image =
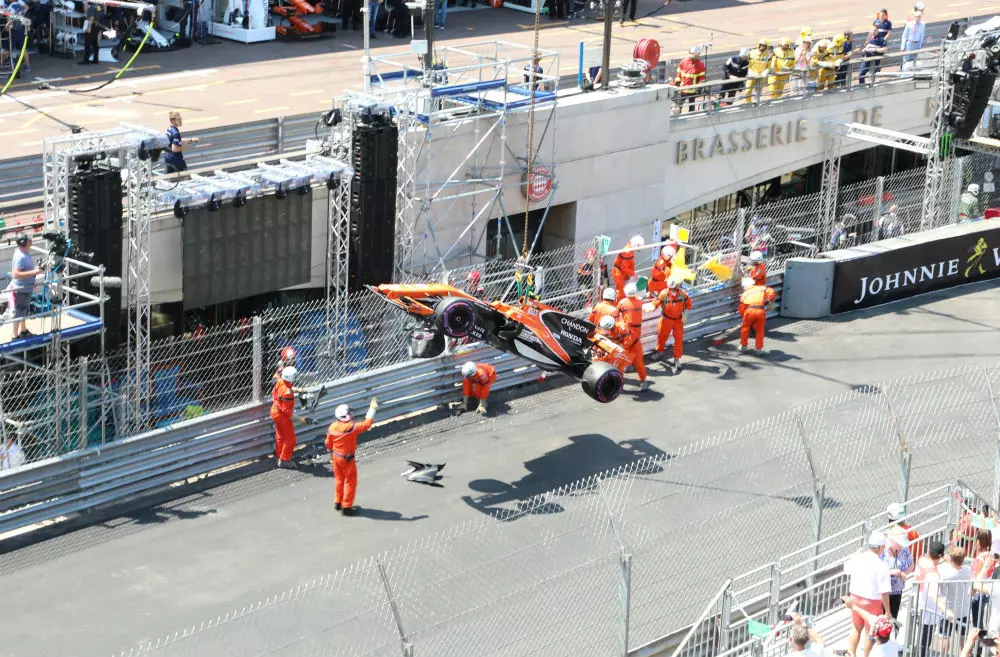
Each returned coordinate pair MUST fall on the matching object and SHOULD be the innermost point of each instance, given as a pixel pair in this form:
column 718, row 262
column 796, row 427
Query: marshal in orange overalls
column 342, row 441
column 282, row 407
column 673, row 302
column 478, row 385
column 623, row 269
column 631, row 315
column 753, row 308
column 600, row 310
column 658, row 277
column 759, row 274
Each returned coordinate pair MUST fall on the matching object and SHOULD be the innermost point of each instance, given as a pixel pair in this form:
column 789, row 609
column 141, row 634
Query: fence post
column 995, row 502
column 83, row 401
column 877, row 207
column 281, row 134
column 818, row 501
column 258, row 360
column 953, row 512
column 905, row 457
column 406, row 648
column 772, row 607
column 725, row 620
column 625, row 561
column 866, row 531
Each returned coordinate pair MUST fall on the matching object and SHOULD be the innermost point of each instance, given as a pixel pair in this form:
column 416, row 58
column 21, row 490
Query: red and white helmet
column 473, row 277
column 669, row 250
column 590, row 253
column 637, row 242
column 288, row 354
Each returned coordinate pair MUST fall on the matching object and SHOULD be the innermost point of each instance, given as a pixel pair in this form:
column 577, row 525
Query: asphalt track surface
column 231, row 83
column 140, row 573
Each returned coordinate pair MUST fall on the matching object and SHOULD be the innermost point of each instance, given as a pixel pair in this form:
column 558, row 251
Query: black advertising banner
column 883, row 277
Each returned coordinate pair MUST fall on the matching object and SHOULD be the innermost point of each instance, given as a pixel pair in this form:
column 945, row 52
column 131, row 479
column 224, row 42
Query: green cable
column 149, row 31
column 13, row 75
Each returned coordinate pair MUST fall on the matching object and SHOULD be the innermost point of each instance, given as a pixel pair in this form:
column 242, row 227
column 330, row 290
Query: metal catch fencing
column 618, row 561
column 234, row 363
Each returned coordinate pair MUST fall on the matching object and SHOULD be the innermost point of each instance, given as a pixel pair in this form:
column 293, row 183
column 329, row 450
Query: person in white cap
column 342, row 443
column 282, row 411
column 869, row 587
column 476, row 381
column 606, row 306
column 969, row 207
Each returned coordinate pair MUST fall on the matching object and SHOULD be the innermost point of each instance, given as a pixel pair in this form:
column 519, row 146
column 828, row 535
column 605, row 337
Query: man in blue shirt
column 22, row 284
column 877, row 46
column 174, row 157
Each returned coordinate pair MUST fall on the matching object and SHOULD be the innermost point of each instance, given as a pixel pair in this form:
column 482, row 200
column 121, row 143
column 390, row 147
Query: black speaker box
column 107, row 247
column 971, row 98
column 95, row 200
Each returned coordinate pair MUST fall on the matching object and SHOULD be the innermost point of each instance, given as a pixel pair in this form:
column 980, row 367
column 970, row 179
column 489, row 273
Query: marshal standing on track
column 342, row 442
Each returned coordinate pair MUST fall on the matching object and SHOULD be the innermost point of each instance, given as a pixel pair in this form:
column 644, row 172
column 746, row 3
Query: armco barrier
column 97, row 476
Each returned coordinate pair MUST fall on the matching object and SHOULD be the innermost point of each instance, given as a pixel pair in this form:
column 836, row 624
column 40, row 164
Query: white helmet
column 744, row 52
column 609, row 294
column 756, row 256
column 631, row 290
column 895, row 511
column 695, row 51
column 919, row 6
column 343, row 413
column 607, row 322
column 468, row 369
column 669, row 251
column 637, row 242
column 674, row 283
column 289, row 373
column 974, row 189
column 747, row 282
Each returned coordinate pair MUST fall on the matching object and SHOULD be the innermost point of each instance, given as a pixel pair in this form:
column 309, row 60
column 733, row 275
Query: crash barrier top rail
column 21, row 178
column 607, row 562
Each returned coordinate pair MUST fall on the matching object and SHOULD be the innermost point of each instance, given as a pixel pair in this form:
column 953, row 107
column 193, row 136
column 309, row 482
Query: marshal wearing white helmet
column 758, row 269
column 969, row 205
column 282, row 414
column 342, row 443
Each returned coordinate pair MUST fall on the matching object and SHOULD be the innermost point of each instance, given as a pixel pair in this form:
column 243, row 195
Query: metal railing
column 614, row 563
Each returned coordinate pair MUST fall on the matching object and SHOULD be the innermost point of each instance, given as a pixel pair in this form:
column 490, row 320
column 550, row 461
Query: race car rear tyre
column 455, row 317
column 602, row 382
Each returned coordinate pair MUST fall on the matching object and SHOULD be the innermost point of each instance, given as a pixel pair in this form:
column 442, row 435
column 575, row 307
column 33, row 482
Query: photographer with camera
column 22, row 285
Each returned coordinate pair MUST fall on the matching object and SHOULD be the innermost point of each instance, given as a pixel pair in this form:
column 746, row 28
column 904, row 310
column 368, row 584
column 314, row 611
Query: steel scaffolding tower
column 473, row 92
column 124, row 147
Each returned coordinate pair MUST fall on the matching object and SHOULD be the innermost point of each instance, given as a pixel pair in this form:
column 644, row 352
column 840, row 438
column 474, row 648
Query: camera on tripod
column 61, row 247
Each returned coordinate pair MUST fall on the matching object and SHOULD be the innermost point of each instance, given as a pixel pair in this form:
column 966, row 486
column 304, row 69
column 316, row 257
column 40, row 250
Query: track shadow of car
column 585, row 456
column 805, row 501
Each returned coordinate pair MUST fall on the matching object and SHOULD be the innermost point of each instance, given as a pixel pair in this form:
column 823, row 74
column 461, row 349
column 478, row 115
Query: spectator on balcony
column 804, row 78
column 928, row 578
column 983, row 566
column 900, row 562
column 806, row 642
column 882, row 628
column 760, row 67
column 876, row 47
column 955, row 592
column 736, row 69
column 870, row 585
column 844, row 46
column 913, row 37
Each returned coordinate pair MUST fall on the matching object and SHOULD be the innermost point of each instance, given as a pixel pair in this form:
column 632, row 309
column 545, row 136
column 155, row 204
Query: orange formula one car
column 549, row 338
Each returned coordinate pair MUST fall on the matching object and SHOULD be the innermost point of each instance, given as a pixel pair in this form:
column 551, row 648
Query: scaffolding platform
column 72, row 325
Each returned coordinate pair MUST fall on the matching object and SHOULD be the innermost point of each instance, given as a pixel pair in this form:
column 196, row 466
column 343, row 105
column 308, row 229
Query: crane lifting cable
column 531, row 128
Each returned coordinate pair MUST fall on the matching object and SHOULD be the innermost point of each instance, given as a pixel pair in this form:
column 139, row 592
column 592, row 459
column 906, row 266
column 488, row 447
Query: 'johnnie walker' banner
column 933, row 265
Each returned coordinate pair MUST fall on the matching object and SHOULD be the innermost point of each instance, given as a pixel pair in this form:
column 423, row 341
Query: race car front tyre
column 602, row 382
column 455, row 317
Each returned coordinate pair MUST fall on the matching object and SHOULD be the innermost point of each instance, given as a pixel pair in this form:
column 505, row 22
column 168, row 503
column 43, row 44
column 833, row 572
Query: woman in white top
column 913, row 38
